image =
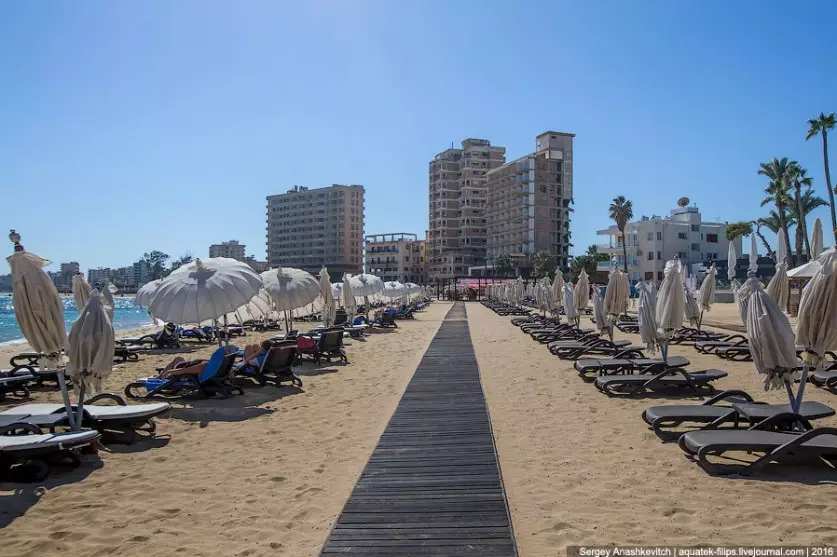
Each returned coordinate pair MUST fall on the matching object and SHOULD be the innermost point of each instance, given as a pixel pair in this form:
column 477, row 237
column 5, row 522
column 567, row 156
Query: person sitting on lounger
column 181, row 366
column 254, row 354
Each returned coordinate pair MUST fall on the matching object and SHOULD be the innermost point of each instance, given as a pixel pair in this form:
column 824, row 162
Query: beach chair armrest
column 19, row 426
column 106, row 396
column 728, row 394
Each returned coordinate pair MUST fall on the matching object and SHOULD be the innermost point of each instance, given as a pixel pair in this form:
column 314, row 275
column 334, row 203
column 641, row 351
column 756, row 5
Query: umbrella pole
column 226, row 331
column 80, row 406
column 700, row 320
column 62, row 384
column 664, row 351
column 804, row 379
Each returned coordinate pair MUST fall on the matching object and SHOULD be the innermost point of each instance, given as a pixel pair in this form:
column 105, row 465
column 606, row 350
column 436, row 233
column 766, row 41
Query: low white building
column 651, row 241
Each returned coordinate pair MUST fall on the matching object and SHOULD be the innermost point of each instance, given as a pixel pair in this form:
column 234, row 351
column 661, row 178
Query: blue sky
column 130, row 126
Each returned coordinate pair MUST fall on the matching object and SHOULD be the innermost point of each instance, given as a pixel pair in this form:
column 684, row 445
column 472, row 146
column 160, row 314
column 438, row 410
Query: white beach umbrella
column 81, row 291
column 754, row 255
column 771, row 339
column 781, row 250
column 645, row 316
column 732, row 258
column 558, row 291
column 816, row 325
column 337, row 292
column 349, row 302
column 146, row 293
column 290, row 288
column 366, row 284
column 91, row 349
column 107, row 300
column 615, row 299
column 816, row 240
column 581, row 295
column 519, row 293
column 626, row 288
column 569, row 306
column 205, row 289
column 599, row 316
column 778, row 289
column 706, row 294
column 329, row 307
column 691, row 308
column 38, row 310
column 671, row 304
column 394, row 289
column 259, row 307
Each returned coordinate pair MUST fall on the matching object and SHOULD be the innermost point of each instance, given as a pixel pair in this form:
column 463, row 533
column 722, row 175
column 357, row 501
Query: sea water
column 126, row 315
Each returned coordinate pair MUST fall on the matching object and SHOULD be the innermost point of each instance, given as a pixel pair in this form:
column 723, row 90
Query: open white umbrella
column 91, row 350
column 337, row 291
column 706, row 294
column 671, row 305
column 569, row 306
column 290, row 289
column 581, row 295
column 349, row 302
column 645, row 316
column 146, row 292
column 754, row 255
column 38, row 309
column 81, row 291
column 329, row 307
column 205, row 289
column 816, row 240
column 770, row 337
column 816, row 325
column 394, row 290
column 732, row 258
column 260, row 307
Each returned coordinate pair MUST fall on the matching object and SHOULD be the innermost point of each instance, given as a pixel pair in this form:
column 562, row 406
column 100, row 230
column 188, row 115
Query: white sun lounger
column 39, row 449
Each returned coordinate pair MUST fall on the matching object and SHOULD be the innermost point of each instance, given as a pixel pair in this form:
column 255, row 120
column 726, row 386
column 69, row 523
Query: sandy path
column 262, row 474
column 580, row 467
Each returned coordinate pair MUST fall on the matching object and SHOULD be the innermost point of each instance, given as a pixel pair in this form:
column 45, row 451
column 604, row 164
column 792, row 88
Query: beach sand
column 582, row 468
column 266, row 473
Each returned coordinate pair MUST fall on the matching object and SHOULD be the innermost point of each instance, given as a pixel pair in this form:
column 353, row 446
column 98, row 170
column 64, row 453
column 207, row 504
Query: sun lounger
column 775, row 447
column 216, row 378
column 625, row 363
column 711, row 346
column 548, row 336
column 328, row 346
column 385, row 320
column 119, row 422
column 17, row 385
column 728, row 408
column 25, row 453
column 570, row 350
column 669, row 379
column 276, row 365
column 687, row 335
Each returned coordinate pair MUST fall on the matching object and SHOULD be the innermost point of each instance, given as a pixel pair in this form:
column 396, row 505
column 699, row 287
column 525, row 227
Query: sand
column 266, row 473
column 582, row 468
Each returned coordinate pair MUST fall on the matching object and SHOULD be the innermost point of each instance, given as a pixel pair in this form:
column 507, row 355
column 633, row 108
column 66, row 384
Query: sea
column 126, row 315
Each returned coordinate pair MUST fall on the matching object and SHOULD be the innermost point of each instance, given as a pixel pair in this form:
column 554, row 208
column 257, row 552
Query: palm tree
column 758, row 233
column 798, row 177
column 808, row 201
column 777, row 171
column 820, row 126
column 622, row 211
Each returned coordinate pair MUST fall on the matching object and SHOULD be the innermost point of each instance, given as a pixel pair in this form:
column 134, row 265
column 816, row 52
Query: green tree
column 544, row 265
column 503, row 264
column 744, row 229
column 622, row 211
column 808, row 201
column 820, row 126
column 799, row 178
column 778, row 171
column 588, row 262
column 184, row 259
column 157, row 262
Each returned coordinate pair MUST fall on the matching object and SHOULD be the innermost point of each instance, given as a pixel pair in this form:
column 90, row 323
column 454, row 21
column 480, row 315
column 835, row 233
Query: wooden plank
column 432, row 485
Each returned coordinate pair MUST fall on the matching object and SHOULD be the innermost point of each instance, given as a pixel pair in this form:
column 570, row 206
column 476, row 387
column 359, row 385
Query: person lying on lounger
column 254, row 354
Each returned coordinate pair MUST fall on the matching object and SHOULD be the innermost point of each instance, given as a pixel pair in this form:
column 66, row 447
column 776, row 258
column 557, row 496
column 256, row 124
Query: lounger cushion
column 96, row 412
column 591, row 364
column 673, row 379
column 750, row 440
column 12, row 443
column 756, row 412
column 692, row 412
column 822, row 377
column 575, row 344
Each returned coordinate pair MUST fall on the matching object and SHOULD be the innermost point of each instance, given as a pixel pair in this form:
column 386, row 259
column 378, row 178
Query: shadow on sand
column 235, row 409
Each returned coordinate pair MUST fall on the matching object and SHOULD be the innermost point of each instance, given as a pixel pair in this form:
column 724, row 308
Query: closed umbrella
column 581, row 295
column 91, row 350
column 626, row 288
column 816, row 325
column 290, row 289
column 205, row 289
column 692, row 309
column 349, row 302
column 557, row 292
column 329, row 307
column 771, row 339
column 781, row 250
column 671, row 305
column 816, row 240
column 754, row 255
column 615, row 300
column 732, row 258
column 38, row 309
column 107, row 300
column 778, row 289
column 645, row 316
column 706, row 295
column 81, row 291
column 519, row 291
column 569, row 306
column 146, row 292
column 599, row 316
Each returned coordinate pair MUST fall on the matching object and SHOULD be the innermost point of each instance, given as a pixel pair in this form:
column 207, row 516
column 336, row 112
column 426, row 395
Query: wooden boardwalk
column 432, row 485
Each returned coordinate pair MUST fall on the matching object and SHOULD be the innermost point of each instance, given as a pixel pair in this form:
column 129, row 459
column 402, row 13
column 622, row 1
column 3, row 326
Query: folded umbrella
column 81, row 291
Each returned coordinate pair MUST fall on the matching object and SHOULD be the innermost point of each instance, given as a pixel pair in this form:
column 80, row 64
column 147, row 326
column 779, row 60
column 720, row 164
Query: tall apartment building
column 458, row 195
column 527, row 208
column 123, row 277
column 309, row 228
column 70, row 268
column 650, row 242
column 399, row 256
column 231, row 249
column 142, row 272
column 98, row 277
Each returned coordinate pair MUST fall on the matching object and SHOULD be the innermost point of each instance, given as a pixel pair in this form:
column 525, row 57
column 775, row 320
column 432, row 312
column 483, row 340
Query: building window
column 682, row 236
column 659, row 255
column 659, row 275
column 659, row 235
column 695, row 247
column 681, row 254
column 650, row 256
column 712, row 238
column 649, row 275
column 650, row 236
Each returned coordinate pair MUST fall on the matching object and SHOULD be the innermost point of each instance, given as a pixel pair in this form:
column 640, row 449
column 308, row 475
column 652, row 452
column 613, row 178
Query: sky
column 132, row 126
